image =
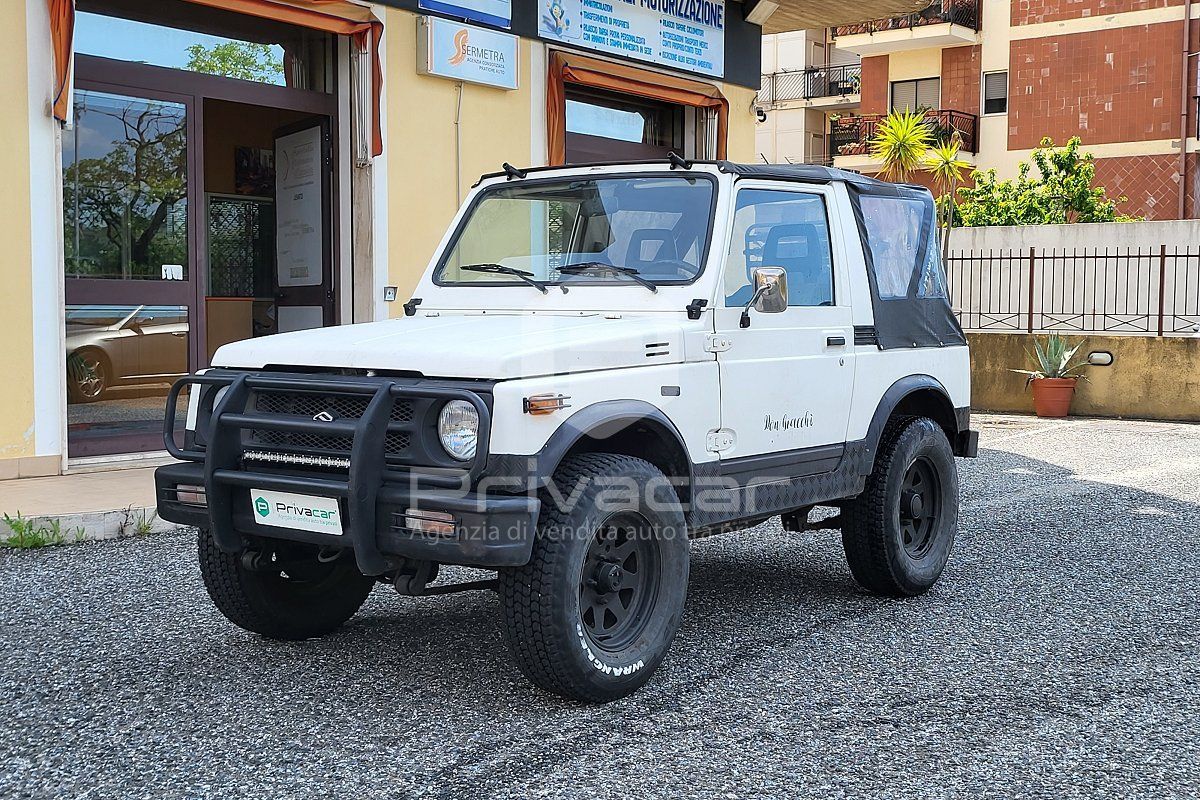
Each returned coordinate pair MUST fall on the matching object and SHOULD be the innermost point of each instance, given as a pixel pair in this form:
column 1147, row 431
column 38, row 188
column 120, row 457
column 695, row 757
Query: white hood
column 472, row 345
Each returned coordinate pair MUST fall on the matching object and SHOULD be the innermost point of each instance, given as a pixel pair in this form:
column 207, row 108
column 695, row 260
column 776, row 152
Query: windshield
column 581, row 231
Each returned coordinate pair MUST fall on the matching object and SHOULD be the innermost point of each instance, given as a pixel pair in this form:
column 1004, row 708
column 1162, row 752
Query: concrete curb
column 93, row 526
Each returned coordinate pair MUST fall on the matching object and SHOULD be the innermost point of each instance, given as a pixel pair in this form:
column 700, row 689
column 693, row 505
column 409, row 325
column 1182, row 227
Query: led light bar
column 296, row 459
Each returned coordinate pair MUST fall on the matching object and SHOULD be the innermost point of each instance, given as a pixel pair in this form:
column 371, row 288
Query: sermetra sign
column 466, row 53
column 684, row 34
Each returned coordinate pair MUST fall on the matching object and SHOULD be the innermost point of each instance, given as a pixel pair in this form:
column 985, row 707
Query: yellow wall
column 16, row 286
column 741, row 123
column 1150, row 378
column 907, row 65
column 496, row 126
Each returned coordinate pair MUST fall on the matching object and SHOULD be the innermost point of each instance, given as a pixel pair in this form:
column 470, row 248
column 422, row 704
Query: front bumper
column 489, row 531
column 374, row 498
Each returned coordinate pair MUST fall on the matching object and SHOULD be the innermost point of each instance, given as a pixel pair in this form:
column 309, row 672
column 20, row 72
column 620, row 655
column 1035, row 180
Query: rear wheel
column 294, row 591
column 899, row 532
column 593, row 613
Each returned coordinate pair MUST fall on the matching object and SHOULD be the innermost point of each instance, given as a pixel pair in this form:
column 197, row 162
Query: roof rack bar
column 678, row 161
column 512, row 172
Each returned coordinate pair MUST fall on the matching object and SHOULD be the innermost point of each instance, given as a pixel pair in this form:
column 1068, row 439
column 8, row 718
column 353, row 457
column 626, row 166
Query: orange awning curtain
column 331, row 16
column 625, row 79
column 62, row 39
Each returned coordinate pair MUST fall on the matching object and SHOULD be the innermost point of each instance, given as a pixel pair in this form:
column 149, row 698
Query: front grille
column 310, row 405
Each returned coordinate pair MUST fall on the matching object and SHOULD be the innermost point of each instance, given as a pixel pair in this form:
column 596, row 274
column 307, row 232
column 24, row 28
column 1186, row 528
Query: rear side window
column 894, row 227
column 781, row 229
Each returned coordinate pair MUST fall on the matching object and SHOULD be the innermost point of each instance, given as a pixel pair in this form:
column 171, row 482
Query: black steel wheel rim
column 619, row 583
column 920, row 507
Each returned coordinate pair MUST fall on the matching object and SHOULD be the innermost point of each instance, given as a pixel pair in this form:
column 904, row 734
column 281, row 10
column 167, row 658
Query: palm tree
column 946, row 168
column 900, row 142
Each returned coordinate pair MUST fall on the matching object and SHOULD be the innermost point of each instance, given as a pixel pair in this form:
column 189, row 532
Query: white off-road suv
column 599, row 364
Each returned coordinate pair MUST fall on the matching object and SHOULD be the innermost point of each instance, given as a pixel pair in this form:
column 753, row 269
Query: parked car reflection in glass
column 109, row 347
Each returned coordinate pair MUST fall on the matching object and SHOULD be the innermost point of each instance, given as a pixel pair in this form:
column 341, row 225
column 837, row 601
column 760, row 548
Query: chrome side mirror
column 770, row 293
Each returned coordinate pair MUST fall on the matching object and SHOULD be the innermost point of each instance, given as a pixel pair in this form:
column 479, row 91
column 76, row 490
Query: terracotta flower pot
column 1052, row 396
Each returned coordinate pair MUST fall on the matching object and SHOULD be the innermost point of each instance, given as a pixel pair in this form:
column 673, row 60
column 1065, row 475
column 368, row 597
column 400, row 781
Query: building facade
column 184, row 173
column 1120, row 74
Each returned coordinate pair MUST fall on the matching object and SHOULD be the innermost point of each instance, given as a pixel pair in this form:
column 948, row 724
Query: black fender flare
column 598, row 421
column 891, row 399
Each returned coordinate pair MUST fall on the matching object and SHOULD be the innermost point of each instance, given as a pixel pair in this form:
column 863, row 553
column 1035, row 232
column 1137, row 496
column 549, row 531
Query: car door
column 786, row 380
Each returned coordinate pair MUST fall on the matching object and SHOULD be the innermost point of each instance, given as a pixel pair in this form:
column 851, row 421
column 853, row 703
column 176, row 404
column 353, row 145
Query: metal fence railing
column 956, row 12
column 852, row 134
column 840, row 81
column 1148, row 291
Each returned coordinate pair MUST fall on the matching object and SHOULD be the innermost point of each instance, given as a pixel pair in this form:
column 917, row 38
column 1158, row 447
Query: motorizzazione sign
column 466, row 53
column 683, row 34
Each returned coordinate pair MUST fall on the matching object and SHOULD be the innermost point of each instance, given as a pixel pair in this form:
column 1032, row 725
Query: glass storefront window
column 120, row 362
column 604, row 126
column 271, row 53
column 125, row 189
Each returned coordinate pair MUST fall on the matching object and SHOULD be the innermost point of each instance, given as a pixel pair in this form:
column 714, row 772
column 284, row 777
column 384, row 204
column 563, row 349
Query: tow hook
column 414, row 577
column 255, row 560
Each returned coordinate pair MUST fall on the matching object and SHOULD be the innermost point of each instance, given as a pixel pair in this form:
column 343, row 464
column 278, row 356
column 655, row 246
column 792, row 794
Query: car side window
column 893, row 228
column 781, row 229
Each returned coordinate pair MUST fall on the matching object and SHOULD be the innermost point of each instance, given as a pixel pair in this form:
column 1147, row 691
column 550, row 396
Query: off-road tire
column 546, row 605
column 873, row 534
column 266, row 603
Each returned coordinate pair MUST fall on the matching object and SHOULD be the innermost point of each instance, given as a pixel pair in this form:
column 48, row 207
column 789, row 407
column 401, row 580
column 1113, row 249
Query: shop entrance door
column 304, row 290
column 129, row 245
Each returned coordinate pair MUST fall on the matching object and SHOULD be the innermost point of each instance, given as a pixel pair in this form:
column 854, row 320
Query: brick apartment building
column 1118, row 73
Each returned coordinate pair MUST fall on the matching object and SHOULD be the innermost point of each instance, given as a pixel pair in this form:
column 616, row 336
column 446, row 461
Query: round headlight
column 458, row 427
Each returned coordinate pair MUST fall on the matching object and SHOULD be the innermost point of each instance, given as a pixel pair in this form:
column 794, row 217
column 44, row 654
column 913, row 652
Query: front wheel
column 593, row 613
column 294, row 591
column 898, row 533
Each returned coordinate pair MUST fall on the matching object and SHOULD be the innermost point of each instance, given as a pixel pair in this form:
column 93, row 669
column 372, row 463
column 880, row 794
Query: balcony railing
column 840, row 81
column 956, row 12
column 851, row 135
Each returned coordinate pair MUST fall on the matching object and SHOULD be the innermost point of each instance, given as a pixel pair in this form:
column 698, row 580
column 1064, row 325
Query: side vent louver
column 865, row 334
column 656, row 349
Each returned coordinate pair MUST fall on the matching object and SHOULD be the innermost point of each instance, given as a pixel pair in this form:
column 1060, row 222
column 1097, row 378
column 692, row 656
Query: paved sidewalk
column 87, row 505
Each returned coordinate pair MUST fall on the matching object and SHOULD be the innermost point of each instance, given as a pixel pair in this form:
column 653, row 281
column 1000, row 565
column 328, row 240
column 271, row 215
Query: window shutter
column 995, row 93
column 904, row 96
column 929, row 93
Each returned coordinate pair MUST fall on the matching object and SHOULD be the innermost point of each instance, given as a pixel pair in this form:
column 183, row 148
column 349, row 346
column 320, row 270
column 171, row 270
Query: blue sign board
column 489, row 12
column 683, row 34
column 463, row 52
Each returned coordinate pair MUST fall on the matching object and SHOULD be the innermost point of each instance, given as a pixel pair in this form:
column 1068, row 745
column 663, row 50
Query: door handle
column 835, row 341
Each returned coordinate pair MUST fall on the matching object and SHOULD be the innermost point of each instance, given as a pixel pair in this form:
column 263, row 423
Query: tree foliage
column 901, row 141
column 946, row 170
column 1060, row 192
column 247, row 61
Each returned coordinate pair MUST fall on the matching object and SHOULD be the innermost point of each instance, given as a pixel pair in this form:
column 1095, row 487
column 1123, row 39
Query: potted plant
column 1057, row 373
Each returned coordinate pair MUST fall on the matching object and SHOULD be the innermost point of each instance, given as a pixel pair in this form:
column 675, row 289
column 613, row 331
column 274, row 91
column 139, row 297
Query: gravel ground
column 1057, row 657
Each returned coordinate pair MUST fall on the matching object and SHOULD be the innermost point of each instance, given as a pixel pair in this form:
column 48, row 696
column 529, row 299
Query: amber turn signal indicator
column 539, row 404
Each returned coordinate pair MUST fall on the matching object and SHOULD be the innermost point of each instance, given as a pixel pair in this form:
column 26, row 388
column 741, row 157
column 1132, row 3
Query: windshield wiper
column 500, row 269
column 600, row 266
